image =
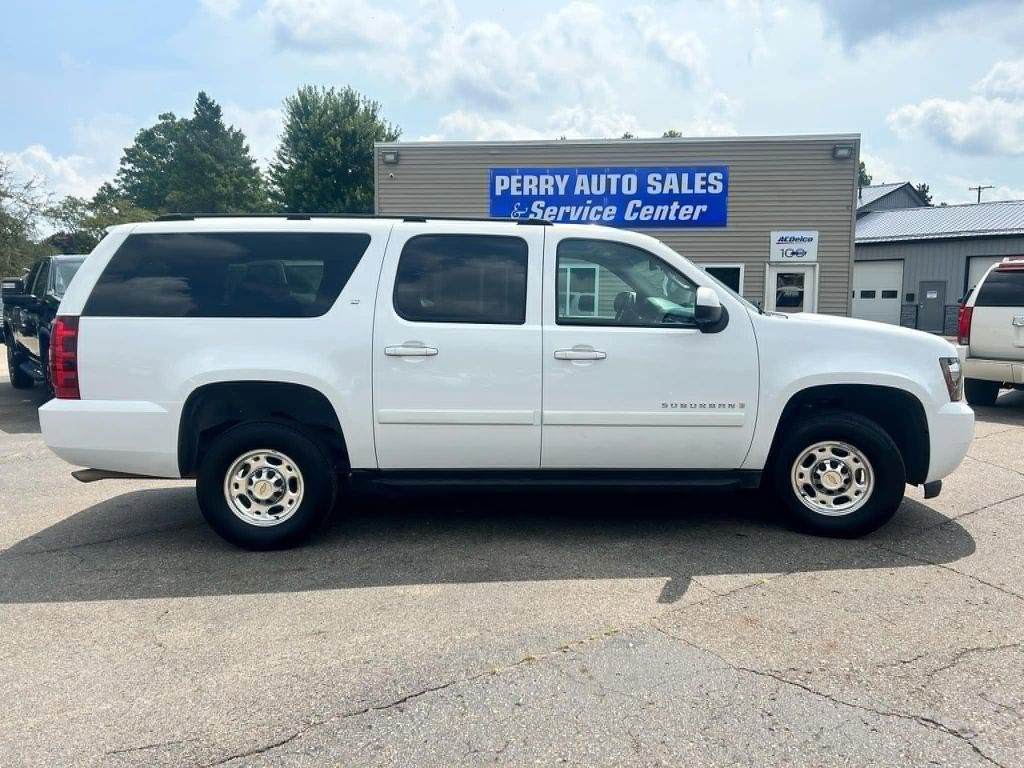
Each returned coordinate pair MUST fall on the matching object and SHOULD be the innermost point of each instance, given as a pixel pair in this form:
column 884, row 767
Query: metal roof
column 838, row 137
column 942, row 222
column 871, row 193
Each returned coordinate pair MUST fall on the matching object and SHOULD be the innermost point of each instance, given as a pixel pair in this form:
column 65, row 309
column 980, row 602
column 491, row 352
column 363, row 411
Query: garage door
column 878, row 290
column 978, row 266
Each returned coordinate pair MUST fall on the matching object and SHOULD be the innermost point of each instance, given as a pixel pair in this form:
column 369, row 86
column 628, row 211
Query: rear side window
column 462, row 279
column 245, row 274
column 1002, row 289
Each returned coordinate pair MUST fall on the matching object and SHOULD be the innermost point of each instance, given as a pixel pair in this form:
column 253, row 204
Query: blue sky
column 936, row 87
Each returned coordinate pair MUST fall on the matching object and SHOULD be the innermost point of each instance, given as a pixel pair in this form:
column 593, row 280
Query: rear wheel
column 264, row 485
column 981, row 392
column 19, row 379
column 837, row 474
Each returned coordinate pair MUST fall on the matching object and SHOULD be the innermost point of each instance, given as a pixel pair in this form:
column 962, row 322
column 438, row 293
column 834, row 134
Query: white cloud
column 683, row 50
column 262, row 129
column 882, row 171
column 333, row 25
column 223, row 8
column 1006, row 79
column 60, row 175
column 977, row 126
column 858, row 21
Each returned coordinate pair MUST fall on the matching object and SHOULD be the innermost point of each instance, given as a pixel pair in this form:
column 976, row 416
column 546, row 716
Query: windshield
column 64, row 270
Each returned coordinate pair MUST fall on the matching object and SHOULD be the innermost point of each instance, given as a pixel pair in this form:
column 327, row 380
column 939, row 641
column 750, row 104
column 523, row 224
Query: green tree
column 194, row 165
column 82, row 223
column 863, row 177
column 628, row 135
column 324, row 163
column 925, row 192
column 20, row 204
column 672, row 133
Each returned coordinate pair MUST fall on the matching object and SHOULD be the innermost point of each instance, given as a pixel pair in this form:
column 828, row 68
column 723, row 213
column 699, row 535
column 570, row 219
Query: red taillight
column 964, row 324
column 64, row 358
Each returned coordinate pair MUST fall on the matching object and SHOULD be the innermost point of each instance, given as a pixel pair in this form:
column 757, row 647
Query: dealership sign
column 794, row 246
column 675, row 196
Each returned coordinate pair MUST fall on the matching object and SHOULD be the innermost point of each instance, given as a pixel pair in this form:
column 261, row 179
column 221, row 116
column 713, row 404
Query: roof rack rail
column 414, row 218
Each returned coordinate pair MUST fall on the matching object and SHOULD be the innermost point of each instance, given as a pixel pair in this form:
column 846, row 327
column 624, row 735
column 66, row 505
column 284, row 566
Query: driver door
column 629, row 381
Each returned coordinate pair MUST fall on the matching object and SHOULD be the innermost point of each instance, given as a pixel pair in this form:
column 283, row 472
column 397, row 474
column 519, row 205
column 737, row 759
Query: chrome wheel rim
column 832, row 478
column 263, row 487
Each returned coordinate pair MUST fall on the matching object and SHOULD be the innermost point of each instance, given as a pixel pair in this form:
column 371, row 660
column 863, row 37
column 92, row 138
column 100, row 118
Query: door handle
column 410, row 350
column 579, row 354
column 1018, row 321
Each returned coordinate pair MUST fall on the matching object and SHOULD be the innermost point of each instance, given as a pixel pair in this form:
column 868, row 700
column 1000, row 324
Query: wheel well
column 896, row 411
column 214, row 408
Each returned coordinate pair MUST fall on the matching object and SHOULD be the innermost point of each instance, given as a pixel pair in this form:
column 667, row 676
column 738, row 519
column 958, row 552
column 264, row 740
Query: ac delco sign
column 795, row 246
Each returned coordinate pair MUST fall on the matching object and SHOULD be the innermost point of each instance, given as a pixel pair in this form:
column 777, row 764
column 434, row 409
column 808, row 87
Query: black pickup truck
column 29, row 307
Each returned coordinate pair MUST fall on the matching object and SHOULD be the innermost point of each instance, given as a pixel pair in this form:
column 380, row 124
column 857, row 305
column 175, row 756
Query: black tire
column 887, row 470
column 318, row 483
column 19, row 379
column 980, row 392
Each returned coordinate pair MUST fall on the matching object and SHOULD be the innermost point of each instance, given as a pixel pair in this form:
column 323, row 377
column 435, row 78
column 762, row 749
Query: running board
column 92, row 475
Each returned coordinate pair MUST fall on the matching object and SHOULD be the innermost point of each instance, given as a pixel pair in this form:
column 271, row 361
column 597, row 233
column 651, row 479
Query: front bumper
column 951, row 430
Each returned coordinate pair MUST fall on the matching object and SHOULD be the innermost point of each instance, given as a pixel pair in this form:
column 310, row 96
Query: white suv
column 279, row 359
column 991, row 332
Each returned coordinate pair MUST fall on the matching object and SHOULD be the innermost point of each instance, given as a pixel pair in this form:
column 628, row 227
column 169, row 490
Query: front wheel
column 837, row 474
column 19, row 379
column 264, row 485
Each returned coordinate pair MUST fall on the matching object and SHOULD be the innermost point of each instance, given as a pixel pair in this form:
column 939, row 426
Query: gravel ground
column 614, row 629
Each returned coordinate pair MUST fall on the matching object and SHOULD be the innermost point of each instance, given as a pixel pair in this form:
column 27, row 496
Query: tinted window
column 867, row 294
column 266, row 274
column 1002, row 289
column 462, row 279
column 890, row 294
column 38, row 288
column 602, row 282
column 63, row 271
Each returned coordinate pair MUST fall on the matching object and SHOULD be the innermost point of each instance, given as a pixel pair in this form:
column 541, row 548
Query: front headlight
column 953, row 375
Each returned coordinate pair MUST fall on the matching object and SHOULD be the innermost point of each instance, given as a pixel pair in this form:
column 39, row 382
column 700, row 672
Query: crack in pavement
column 143, row 747
column 71, row 547
column 963, row 654
column 951, row 569
column 313, row 724
column 922, row 720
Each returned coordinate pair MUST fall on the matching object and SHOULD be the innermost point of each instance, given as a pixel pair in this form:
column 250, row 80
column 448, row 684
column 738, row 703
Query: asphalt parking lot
column 514, row 630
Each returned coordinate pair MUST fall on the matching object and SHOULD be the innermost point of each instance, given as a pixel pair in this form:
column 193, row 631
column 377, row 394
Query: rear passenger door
column 457, row 347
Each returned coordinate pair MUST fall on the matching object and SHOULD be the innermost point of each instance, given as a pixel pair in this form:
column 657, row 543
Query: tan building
column 772, row 217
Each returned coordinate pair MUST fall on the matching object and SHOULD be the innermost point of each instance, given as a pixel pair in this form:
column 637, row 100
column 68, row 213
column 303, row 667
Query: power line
column 979, row 188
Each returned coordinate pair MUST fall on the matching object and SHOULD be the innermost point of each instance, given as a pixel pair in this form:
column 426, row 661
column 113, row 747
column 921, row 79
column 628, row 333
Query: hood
column 862, row 330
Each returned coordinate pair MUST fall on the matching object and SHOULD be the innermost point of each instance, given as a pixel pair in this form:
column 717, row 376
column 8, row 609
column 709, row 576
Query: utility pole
column 979, row 188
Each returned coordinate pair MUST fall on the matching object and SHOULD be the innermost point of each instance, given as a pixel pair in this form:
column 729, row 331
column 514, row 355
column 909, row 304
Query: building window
column 578, row 289
column 729, row 274
column 890, row 294
column 867, row 294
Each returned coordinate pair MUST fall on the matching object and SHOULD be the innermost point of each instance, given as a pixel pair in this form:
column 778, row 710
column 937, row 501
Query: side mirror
column 708, row 312
column 12, row 286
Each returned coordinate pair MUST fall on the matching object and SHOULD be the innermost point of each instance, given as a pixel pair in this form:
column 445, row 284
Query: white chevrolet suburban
column 276, row 359
column 991, row 333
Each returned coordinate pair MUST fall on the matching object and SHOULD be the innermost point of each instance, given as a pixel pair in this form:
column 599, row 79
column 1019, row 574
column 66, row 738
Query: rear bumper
column 1003, row 371
column 139, row 438
column 951, row 430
